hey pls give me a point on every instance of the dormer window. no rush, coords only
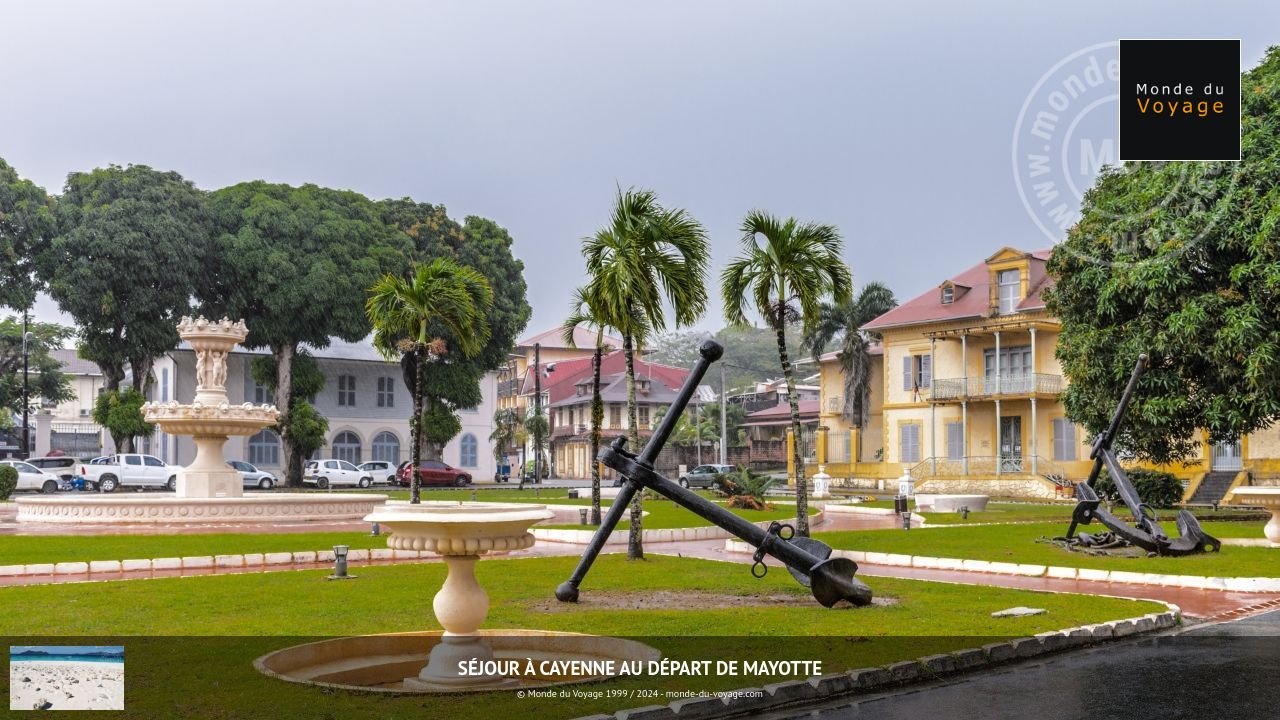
(948, 294)
(1009, 290)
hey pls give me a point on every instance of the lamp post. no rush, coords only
(26, 389)
(340, 563)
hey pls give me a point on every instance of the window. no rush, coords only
(1009, 290)
(264, 448)
(909, 443)
(1064, 439)
(25, 468)
(948, 294)
(347, 390)
(386, 446)
(615, 416)
(164, 384)
(346, 446)
(152, 461)
(917, 371)
(467, 456)
(955, 441)
(132, 460)
(344, 465)
(642, 416)
(260, 394)
(386, 392)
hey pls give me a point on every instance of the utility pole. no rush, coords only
(537, 409)
(26, 390)
(724, 436)
(697, 429)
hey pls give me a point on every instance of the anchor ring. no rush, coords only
(764, 570)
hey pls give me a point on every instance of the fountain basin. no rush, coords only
(1266, 497)
(166, 508)
(381, 663)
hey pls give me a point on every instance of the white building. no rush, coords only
(364, 399)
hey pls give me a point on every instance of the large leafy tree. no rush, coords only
(485, 247)
(307, 427)
(589, 312)
(1180, 261)
(295, 264)
(132, 243)
(120, 412)
(45, 378)
(26, 224)
(404, 311)
(843, 321)
(645, 258)
(785, 271)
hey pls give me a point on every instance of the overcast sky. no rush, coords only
(892, 120)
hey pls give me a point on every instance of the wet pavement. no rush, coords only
(1210, 672)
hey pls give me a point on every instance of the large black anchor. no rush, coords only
(830, 579)
(1145, 532)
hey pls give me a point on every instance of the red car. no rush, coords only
(434, 472)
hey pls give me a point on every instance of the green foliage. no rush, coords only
(750, 353)
(26, 224)
(686, 430)
(131, 245)
(119, 411)
(746, 489)
(1156, 488)
(8, 481)
(1180, 261)
(44, 374)
(843, 321)
(503, 436)
(306, 376)
(307, 427)
(734, 414)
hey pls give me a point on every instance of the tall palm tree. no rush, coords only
(406, 312)
(586, 311)
(786, 269)
(646, 258)
(845, 320)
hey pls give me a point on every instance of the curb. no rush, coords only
(751, 701)
(1232, 584)
(619, 537)
(204, 562)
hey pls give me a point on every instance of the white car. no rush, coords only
(381, 470)
(130, 470)
(31, 477)
(252, 476)
(326, 473)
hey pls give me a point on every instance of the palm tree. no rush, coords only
(408, 312)
(786, 277)
(844, 320)
(645, 258)
(504, 433)
(586, 311)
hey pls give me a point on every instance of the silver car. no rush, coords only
(381, 470)
(704, 475)
(252, 476)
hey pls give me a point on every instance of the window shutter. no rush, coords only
(926, 371)
(906, 372)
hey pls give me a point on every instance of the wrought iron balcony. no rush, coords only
(986, 466)
(1020, 385)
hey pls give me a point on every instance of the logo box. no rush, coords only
(1179, 100)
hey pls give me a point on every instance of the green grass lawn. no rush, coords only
(1009, 512)
(212, 676)
(31, 549)
(663, 514)
(1018, 543)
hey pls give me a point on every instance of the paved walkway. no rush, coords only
(1211, 671)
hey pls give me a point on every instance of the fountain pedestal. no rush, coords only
(1266, 497)
(461, 533)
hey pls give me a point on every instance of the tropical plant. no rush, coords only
(844, 321)
(537, 427)
(404, 312)
(745, 489)
(785, 271)
(586, 311)
(26, 224)
(44, 378)
(647, 257)
(1157, 488)
(8, 481)
(504, 433)
(120, 412)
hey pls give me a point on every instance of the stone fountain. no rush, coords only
(208, 491)
(428, 662)
(1265, 497)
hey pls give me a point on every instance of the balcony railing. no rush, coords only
(986, 466)
(1006, 385)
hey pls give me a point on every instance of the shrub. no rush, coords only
(1156, 488)
(744, 490)
(8, 481)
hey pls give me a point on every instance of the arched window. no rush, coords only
(386, 446)
(468, 451)
(264, 448)
(346, 446)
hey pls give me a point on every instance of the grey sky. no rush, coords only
(893, 121)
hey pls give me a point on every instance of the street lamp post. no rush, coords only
(26, 390)
(723, 433)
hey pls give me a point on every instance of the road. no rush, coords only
(1212, 672)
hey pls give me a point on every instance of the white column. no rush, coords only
(997, 392)
(964, 433)
(1035, 376)
(1034, 446)
(933, 406)
(964, 402)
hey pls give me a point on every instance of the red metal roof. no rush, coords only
(583, 338)
(559, 383)
(971, 303)
(782, 413)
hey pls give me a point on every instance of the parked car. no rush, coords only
(131, 470)
(435, 472)
(63, 466)
(325, 473)
(252, 476)
(381, 470)
(31, 477)
(703, 476)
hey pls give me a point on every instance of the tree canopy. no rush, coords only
(44, 373)
(26, 224)
(1180, 261)
(131, 245)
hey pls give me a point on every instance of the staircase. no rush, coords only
(1213, 487)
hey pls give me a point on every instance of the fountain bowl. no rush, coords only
(1266, 497)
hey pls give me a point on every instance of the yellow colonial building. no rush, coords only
(965, 398)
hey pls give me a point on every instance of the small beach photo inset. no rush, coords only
(66, 677)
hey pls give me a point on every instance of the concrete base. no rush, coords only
(386, 663)
(927, 502)
(166, 508)
(222, 483)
